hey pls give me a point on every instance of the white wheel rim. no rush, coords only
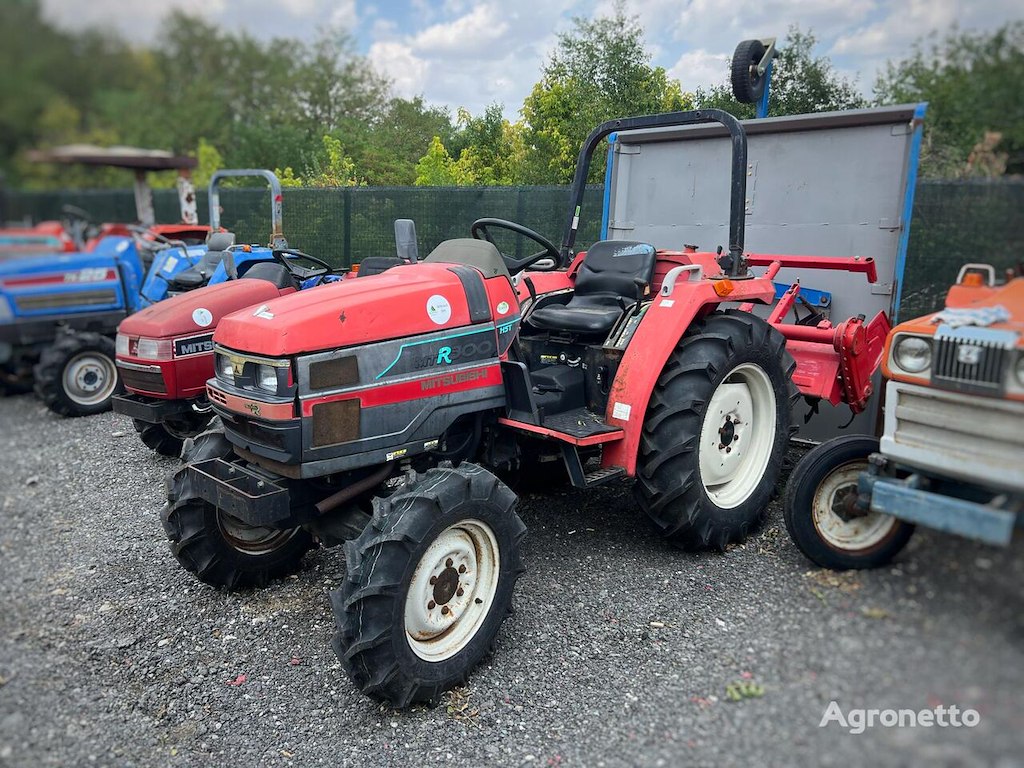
(89, 378)
(738, 435)
(252, 539)
(452, 590)
(832, 513)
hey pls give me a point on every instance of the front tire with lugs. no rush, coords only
(168, 437)
(429, 582)
(215, 547)
(76, 375)
(716, 430)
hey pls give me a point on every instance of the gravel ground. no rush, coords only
(620, 651)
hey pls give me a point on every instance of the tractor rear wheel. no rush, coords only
(822, 516)
(76, 375)
(168, 437)
(716, 431)
(218, 548)
(429, 582)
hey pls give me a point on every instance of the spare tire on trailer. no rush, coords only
(716, 430)
(747, 85)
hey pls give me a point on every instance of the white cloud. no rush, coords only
(343, 15)
(699, 68)
(407, 72)
(470, 35)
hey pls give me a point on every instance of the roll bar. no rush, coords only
(277, 239)
(737, 188)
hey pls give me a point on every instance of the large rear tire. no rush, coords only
(76, 375)
(429, 582)
(215, 547)
(168, 437)
(821, 514)
(716, 431)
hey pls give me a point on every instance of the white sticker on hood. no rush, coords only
(202, 317)
(438, 309)
(264, 312)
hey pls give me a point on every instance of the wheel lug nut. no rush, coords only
(448, 563)
(478, 601)
(728, 449)
(431, 605)
(433, 580)
(445, 610)
(460, 592)
(462, 569)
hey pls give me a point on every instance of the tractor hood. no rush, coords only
(54, 267)
(404, 301)
(1008, 298)
(200, 309)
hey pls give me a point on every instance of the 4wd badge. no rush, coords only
(968, 354)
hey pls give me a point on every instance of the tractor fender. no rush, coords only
(649, 348)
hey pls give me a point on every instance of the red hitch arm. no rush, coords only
(862, 264)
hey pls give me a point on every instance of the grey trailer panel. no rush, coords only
(831, 184)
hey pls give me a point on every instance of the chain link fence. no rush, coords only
(953, 222)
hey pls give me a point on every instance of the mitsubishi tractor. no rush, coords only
(951, 455)
(59, 312)
(380, 414)
(165, 352)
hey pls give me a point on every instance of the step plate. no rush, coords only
(579, 423)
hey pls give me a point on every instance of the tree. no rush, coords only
(801, 83)
(482, 151)
(972, 82)
(599, 71)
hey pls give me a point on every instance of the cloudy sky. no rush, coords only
(470, 54)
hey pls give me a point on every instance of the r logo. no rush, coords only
(444, 354)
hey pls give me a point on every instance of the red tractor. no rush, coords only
(380, 412)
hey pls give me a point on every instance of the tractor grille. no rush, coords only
(954, 434)
(970, 365)
(40, 301)
(257, 433)
(143, 381)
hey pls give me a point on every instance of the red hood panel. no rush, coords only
(404, 301)
(200, 309)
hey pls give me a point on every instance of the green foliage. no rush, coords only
(485, 151)
(972, 82)
(599, 71)
(801, 83)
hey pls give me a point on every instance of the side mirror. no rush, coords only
(405, 240)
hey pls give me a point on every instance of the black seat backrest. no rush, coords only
(220, 241)
(272, 272)
(611, 266)
(374, 265)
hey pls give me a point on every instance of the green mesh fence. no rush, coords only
(953, 222)
(343, 226)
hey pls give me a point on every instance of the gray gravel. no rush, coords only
(620, 651)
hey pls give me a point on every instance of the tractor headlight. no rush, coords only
(121, 345)
(225, 369)
(913, 353)
(154, 349)
(266, 377)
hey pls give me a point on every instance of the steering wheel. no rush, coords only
(78, 223)
(479, 231)
(146, 238)
(299, 273)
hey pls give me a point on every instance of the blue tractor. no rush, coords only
(59, 313)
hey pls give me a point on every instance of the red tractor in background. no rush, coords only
(378, 413)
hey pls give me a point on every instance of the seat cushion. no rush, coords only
(586, 319)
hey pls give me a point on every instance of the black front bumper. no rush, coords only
(151, 410)
(242, 493)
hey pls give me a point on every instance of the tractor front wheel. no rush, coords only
(76, 375)
(822, 514)
(429, 582)
(168, 437)
(716, 431)
(218, 548)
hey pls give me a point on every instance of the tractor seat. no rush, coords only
(605, 285)
(199, 275)
(272, 272)
(375, 265)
